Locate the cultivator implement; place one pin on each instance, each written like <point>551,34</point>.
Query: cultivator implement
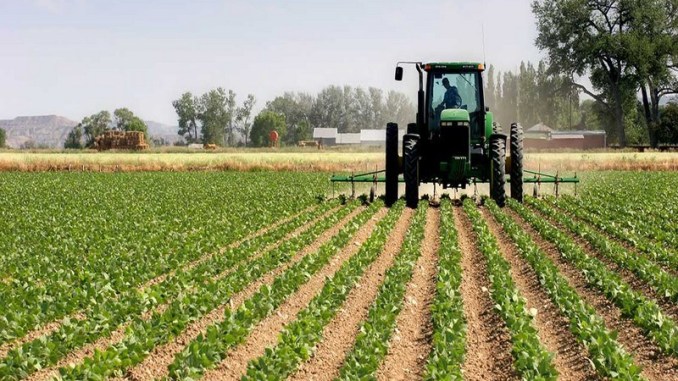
<point>537,178</point>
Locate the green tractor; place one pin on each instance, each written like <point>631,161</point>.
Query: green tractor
<point>455,141</point>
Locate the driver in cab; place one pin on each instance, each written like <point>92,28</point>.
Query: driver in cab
<point>452,99</point>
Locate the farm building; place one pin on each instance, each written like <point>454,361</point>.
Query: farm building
<point>326,136</point>
<point>543,137</point>
<point>368,137</point>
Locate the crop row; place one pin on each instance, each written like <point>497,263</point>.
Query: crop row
<point>648,271</point>
<point>105,317</point>
<point>144,335</point>
<point>656,251</point>
<point>607,356</point>
<point>644,312</point>
<point>447,312</point>
<point>371,344</point>
<point>531,359</point>
<point>300,336</point>
<point>85,239</point>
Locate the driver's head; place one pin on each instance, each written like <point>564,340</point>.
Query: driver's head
<point>446,83</point>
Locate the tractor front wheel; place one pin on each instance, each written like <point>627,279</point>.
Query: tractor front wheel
<point>516,162</point>
<point>392,166</point>
<point>498,168</point>
<point>411,172</point>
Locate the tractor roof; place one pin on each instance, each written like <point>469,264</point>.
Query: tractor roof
<point>455,66</point>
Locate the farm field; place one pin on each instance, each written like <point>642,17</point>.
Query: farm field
<point>252,275</point>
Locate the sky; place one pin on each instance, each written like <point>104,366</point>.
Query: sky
<point>76,57</point>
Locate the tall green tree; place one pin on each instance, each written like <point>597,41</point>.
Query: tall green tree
<point>296,109</point>
<point>243,115</point>
<point>230,119</point>
<point>125,120</point>
<point>265,122</point>
<point>3,138</point>
<point>186,108</point>
<point>95,125</point>
<point>591,37</point>
<point>213,114</point>
<point>74,138</point>
<point>654,55</point>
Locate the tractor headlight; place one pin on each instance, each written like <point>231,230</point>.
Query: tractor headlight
<point>453,124</point>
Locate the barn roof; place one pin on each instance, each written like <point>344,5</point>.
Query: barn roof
<point>324,133</point>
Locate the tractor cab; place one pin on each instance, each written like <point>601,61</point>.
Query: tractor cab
<point>455,87</point>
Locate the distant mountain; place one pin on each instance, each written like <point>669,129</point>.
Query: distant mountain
<point>51,131</point>
<point>45,130</point>
<point>163,131</point>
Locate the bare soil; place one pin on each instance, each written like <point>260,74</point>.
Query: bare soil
<point>656,366</point>
<point>488,343</point>
<point>570,355</point>
<point>411,344</point>
<point>339,335</point>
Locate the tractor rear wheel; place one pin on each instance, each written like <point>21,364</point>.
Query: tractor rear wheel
<point>516,162</point>
<point>392,166</point>
<point>411,172</point>
<point>498,168</point>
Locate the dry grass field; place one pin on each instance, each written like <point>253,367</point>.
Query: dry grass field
<point>303,160</point>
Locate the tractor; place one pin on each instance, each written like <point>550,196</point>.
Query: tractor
<point>454,142</point>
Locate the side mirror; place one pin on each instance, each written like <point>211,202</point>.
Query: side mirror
<point>399,73</point>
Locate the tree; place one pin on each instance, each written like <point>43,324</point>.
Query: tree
<point>297,109</point>
<point>668,124</point>
<point>242,116</point>
<point>213,116</point>
<point>399,109</point>
<point>262,126</point>
<point>186,108</point>
<point>74,138</point>
<point>95,125</point>
<point>3,138</point>
<point>229,118</point>
<point>654,53</point>
<point>125,120</point>
<point>590,37</point>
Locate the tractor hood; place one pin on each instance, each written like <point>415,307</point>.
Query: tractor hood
<point>455,115</point>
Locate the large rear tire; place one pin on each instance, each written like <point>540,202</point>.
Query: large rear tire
<point>411,170</point>
<point>392,166</point>
<point>498,168</point>
<point>516,162</point>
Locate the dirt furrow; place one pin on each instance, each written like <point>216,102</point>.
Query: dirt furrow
<point>411,344</point>
<point>669,307</point>
<point>570,356</point>
<point>162,356</point>
<point>488,343</point>
<point>51,327</point>
<point>339,335</point>
<point>118,335</point>
<point>656,366</point>
<point>265,334</point>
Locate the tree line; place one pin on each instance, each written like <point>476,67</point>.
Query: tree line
<point>214,117</point>
<point>628,51</point>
